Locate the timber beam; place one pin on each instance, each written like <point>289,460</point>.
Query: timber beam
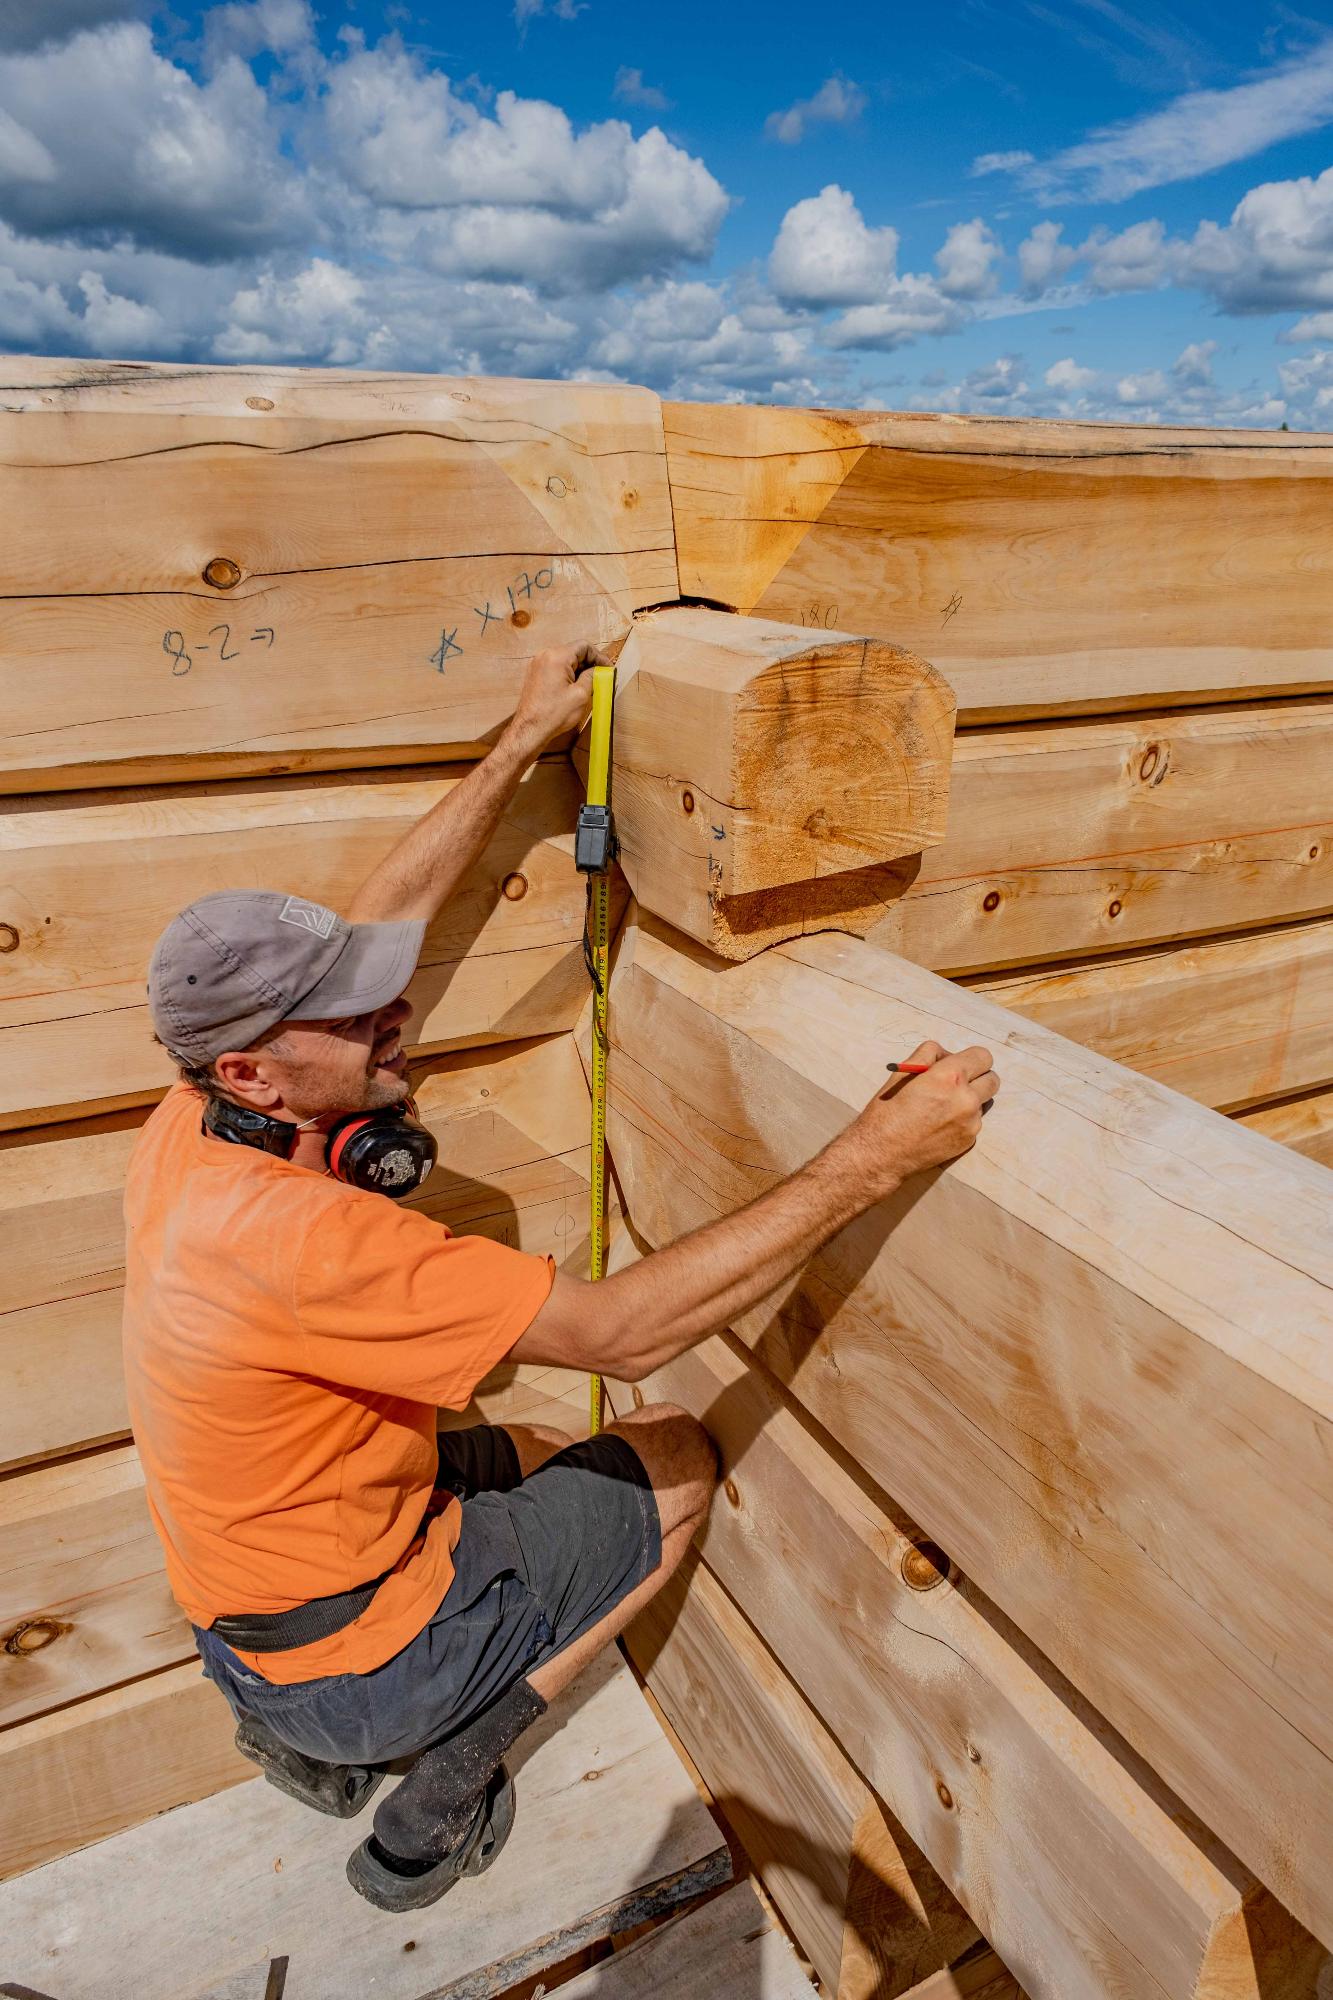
<point>1068,1853</point>
<point>764,775</point>
<point>1092,1357</point>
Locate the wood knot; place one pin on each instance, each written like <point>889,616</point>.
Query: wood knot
<point>636,1397</point>
<point>520,618</point>
<point>1153,763</point>
<point>992,901</point>
<point>1314,853</point>
<point>944,1795</point>
<point>817,825</point>
<point>514,888</point>
<point>259,402</point>
<point>556,487</point>
<point>924,1566</point>
<point>630,498</point>
<point>9,938</point>
<point>1115,908</point>
<point>222,573</point>
<point>973,1754</point>
<point>687,803</point>
<point>32,1635</point>
<point>732,1491</point>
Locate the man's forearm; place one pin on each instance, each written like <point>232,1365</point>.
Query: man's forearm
<point>668,1302</point>
<point>418,876</point>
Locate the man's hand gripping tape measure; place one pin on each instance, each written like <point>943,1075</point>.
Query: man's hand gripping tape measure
<point>595,849</point>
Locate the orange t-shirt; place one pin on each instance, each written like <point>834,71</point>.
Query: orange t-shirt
<point>288,1341</point>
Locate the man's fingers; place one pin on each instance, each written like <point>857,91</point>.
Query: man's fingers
<point>928,1052</point>
<point>974,1062</point>
<point>985,1087</point>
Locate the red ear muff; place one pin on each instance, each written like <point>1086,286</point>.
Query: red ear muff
<point>337,1141</point>
<point>384,1152</point>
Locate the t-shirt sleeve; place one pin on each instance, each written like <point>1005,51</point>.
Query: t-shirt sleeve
<point>387,1300</point>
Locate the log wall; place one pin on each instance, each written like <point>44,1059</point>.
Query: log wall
<point>258,619</point>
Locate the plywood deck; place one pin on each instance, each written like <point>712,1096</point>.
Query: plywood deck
<point>197,1903</point>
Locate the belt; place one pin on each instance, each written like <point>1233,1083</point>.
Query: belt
<point>279,1631</point>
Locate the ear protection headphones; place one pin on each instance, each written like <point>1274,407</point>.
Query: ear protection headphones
<point>385,1152</point>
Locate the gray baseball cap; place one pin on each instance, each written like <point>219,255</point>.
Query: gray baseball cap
<point>236,963</point>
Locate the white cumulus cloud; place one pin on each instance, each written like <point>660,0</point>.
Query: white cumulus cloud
<point>1275,253</point>
<point>966,260</point>
<point>1043,259</point>
<point>1068,378</point>
<point>101,134</point>
<point>827,254</point>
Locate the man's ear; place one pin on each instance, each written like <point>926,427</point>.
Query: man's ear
<point>246,1075</point>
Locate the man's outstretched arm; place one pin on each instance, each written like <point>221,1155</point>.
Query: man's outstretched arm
<point>638,1319</point>
<point>419,875</point>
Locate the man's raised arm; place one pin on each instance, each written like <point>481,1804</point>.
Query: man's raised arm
<point>418,876</point>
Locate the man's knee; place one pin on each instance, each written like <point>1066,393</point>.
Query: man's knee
<point>678,1455</point>
<point>535,1443</point>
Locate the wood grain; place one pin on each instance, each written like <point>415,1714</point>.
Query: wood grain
<point>1043,568</point>
<point>1092,1358</point>
<point>1078,838</point>
<point>862,1901</point>
<point>1228,1021</point>
<point>760,773</point>
<point>88,887</point>
<point>1067,1852</point>
<point>197,1903</point>
<point>729,1946</point>
<point>1304,1123</point>
<point>88,1771</point>
<point>84,1602</point>
<point>366,518</point>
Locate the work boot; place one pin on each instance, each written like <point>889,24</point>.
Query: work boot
<point>338,1789</point>
<point>392,1883</point>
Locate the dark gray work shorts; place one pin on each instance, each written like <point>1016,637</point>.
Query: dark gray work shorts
<point>539,1561</point>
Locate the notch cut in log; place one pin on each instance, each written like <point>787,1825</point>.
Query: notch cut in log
<point>763,776</point>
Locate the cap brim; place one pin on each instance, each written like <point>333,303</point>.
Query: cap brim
<point>372,969</point>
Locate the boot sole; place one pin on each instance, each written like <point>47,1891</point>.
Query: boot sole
<point>401,1893</point>
<point>284,1771</point>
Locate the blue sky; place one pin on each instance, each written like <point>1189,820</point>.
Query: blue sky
<point>1041,207</point>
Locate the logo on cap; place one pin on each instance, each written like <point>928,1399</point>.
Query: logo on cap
<point>307,916</point>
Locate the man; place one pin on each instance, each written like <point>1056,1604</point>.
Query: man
<point>360,1591</point>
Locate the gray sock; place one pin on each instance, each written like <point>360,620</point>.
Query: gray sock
<point>432,1811</point>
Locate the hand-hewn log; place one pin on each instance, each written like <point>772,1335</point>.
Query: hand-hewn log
<point>860,1898</point>
<point>1069,1854</point>
<point>1229,1021</point>
<point>84,1600</point>
<point>1092,1357</point>
<point>512,1127</point>
<point>1303,1123</point>
<point>1044,568</point>
<point>762,776</point>
<point>88,886</point>
<point>84,1772</point>
<point>1075,838</point>
<point>217,571</point>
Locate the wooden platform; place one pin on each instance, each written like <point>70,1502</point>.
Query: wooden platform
<point>197,1903</point>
